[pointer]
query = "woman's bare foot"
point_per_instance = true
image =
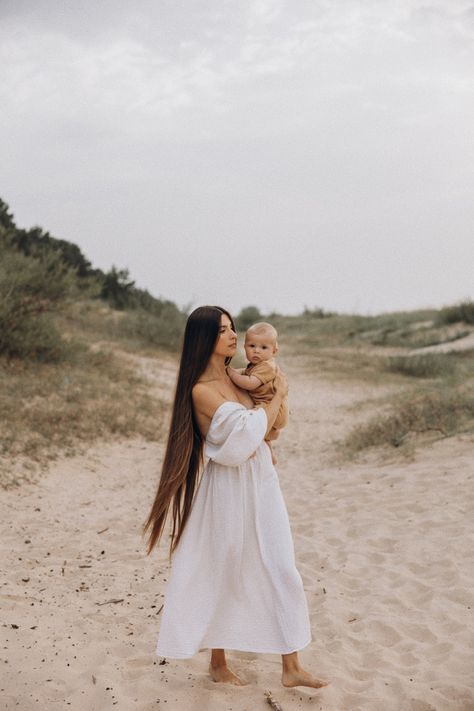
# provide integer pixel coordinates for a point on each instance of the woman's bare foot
(300, 677)
(293, 674)
(224, 674)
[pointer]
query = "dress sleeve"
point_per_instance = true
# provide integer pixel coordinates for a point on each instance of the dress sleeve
(234, 434)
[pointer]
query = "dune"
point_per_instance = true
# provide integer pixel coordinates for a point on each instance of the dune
(385, 549)
(466, 343)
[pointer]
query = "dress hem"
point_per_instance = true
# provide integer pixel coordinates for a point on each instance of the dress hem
(231, 648)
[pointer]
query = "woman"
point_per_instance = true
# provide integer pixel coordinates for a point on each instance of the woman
(233, 582)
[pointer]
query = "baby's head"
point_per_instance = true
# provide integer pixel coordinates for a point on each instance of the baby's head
(260, 342)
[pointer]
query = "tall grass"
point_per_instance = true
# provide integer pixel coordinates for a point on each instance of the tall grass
(162, 331)
(441, 413)
(427, 365)
(47, 409)
(131, 330)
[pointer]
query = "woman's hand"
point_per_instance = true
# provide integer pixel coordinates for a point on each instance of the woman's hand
(280, 384)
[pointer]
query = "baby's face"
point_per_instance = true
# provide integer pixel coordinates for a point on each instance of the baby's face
(259, 347)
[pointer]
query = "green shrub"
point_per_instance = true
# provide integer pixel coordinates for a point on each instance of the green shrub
(37, 243)
(30, 289)
(317, 313)
(117, 288)
(463, 311)
(248, 316)
(36, 338)
(427, 365)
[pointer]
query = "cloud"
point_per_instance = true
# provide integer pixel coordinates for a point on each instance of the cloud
(265, 11)
(340, 126)
(123, 72)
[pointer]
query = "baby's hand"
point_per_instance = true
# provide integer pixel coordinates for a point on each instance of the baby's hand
(245, 382)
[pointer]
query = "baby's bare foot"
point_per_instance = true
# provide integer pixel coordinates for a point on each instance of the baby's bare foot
(300, 677)
(224, 674)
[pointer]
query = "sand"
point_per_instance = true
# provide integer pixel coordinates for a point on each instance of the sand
(385, 549)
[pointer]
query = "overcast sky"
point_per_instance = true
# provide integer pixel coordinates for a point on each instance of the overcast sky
(283, 154)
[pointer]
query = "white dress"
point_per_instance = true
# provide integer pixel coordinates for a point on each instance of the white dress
(233, 581)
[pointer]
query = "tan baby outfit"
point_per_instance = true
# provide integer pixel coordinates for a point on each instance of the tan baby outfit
(266, 372)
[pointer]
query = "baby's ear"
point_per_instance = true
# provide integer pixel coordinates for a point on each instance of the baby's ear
(275, 348)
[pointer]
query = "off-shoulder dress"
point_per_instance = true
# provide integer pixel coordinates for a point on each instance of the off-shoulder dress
(233, 582)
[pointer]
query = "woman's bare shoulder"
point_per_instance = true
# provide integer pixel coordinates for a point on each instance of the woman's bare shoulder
(206, 398)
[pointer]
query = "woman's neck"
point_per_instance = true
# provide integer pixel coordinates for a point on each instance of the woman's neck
(215, 369)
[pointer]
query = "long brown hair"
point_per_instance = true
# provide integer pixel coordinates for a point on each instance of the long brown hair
(183, 455)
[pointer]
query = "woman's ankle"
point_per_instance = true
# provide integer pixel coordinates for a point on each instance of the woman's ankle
(290, 662)
(218, 660)
(218, 665)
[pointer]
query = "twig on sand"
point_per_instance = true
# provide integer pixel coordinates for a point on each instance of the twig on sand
(272, 701)
(108, 602)
(103, 530)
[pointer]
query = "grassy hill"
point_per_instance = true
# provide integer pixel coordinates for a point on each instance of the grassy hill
(65, 329)
(68, 332)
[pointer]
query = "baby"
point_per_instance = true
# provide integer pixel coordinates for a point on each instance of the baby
(260, 348)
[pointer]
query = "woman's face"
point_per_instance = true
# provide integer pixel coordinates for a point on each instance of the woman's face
(227, 341)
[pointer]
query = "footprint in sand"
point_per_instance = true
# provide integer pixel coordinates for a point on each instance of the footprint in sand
(420, 633)
(459, 664)
(408, 660)
(336, 542)
(418, 569)
(357, 532)
(134, 668)
(461, 596)
(384, 634)
(355, 702)
(362, 674)
(371, 660)
(438, 651)
(396, 580)
(456, 693)
(421, 602)
(417, 705)
(388, 545)
(377, 558)
(395, 603)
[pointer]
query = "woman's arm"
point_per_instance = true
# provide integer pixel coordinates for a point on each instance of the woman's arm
(246, 382)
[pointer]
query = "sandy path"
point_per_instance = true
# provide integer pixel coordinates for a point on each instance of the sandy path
(386, 554)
